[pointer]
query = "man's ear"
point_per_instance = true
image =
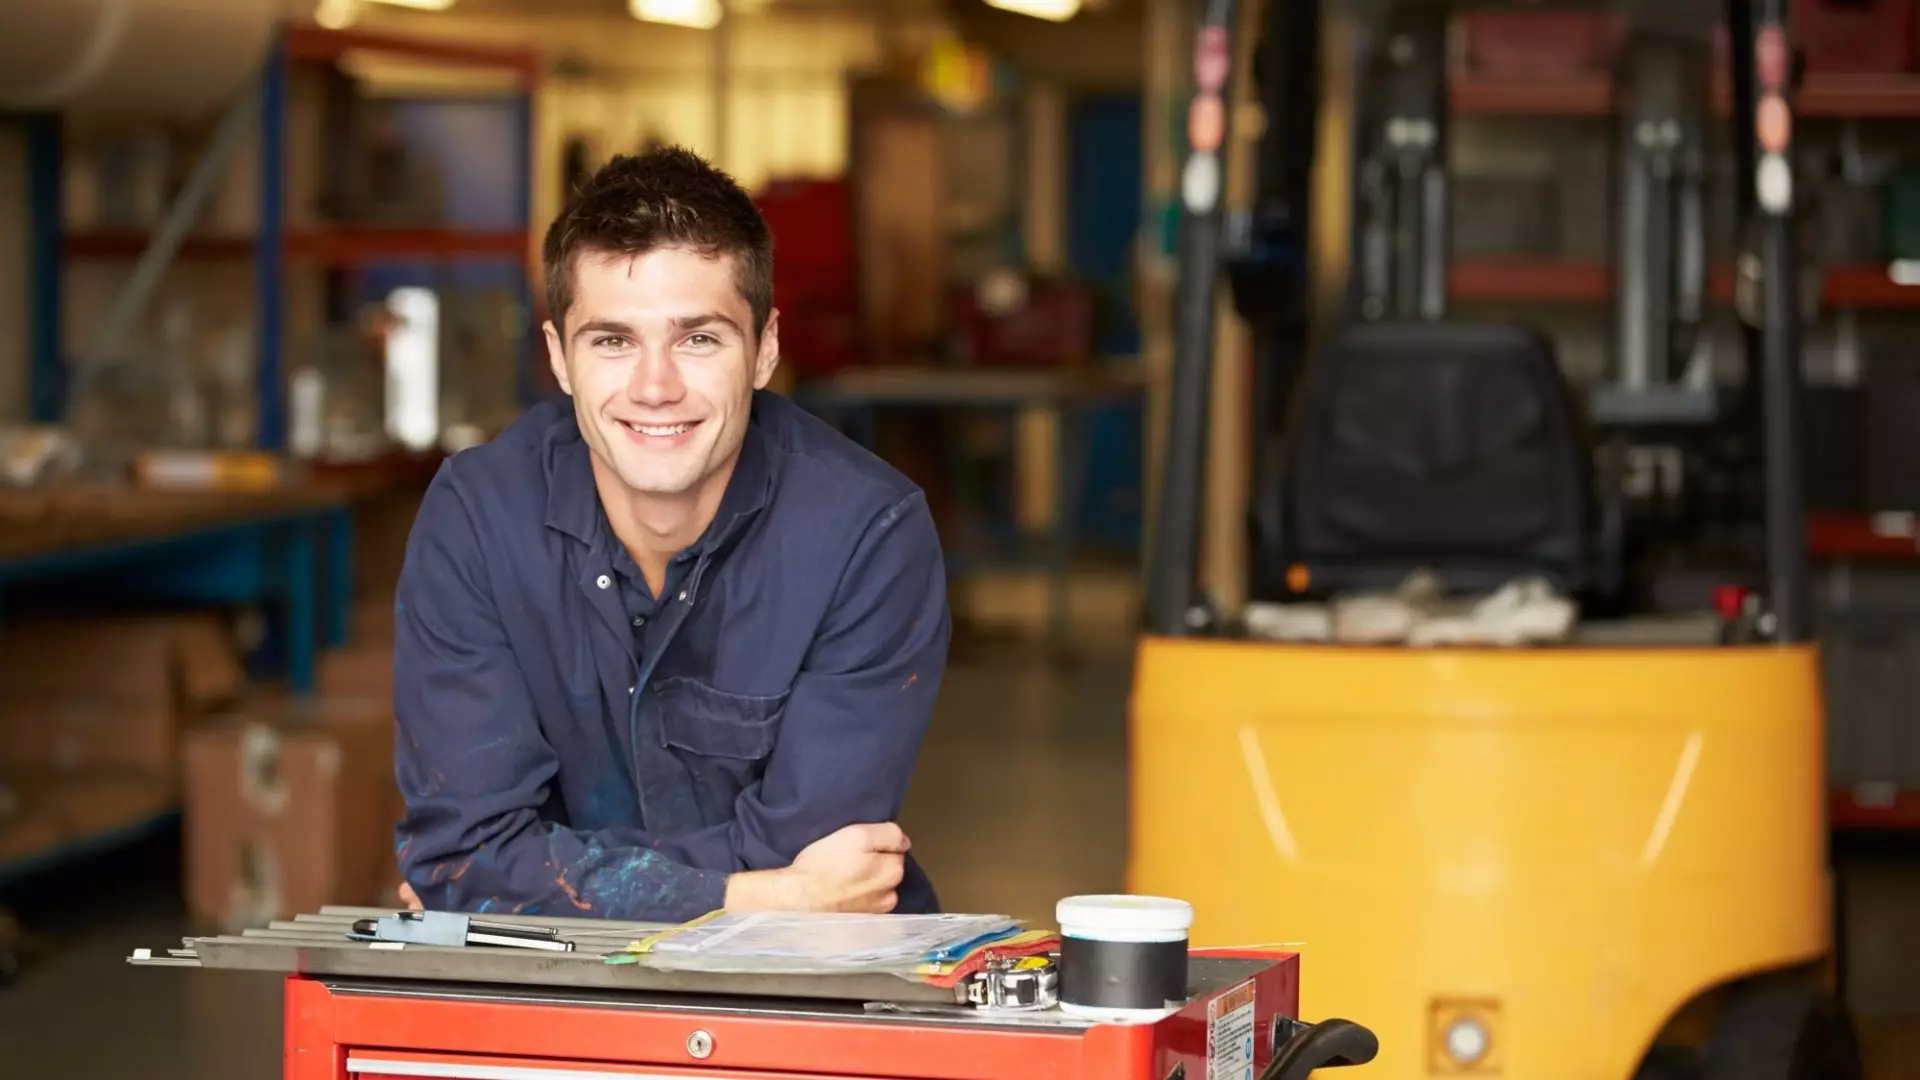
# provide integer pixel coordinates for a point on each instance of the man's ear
(557, 357)
(768, 360)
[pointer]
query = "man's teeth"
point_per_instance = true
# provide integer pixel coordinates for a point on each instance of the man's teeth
(661, 430)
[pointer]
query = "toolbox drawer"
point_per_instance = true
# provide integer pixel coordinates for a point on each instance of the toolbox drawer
(400, 1065)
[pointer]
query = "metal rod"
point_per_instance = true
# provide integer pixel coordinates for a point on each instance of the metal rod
(1746, 159)
(1768, 110)
(269, 258)
(132, 299)
(1171, 585)
(46, 219)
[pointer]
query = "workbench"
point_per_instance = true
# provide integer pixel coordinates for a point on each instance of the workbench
(853, 399)
(293, 546)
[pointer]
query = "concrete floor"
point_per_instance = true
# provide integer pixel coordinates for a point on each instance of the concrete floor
(1007, 724)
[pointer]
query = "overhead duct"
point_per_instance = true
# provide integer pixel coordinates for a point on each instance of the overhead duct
(133, 59)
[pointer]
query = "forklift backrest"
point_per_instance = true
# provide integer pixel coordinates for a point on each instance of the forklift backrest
(1449, 447)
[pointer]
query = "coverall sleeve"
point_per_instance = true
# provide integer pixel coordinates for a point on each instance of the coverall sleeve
(475, 769)
(859, 709)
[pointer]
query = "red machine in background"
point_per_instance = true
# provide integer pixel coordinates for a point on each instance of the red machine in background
(814, 282)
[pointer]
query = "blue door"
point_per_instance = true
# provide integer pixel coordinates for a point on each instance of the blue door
(1103, 213)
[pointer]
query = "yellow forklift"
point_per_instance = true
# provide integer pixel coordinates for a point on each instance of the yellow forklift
(1603, 858)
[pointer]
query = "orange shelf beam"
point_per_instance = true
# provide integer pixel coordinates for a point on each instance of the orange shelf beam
(350, 246)
(1572, 281)
(1522, 96)
(129, 243)
(1896, 811)
(313, 43)
(1832, 96)
(327, 246)
(1862, 536)
(1529, 280)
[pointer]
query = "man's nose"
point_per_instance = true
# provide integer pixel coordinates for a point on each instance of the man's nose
(655, 379)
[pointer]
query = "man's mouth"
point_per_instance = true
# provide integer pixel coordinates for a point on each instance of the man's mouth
(660, 431)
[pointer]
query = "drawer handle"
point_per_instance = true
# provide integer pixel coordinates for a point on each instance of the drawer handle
(454, 1071)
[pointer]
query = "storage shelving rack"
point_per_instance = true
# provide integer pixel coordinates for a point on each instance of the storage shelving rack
(1824, 96)
(276, 244)
(260, 556)
(1860, 287)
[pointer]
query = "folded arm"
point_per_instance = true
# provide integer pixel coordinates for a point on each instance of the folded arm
(859, 709)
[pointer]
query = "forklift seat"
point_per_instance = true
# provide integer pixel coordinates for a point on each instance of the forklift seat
(1448, 447)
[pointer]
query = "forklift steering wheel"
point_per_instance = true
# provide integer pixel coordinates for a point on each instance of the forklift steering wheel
(1323, 1045)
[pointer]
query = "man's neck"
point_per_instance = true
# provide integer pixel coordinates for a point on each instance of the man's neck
(655, 528)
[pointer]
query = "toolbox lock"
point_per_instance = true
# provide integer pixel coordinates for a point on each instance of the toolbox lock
(700, 1044)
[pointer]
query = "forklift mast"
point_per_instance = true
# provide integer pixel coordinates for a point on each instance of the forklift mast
(1402, 201)
(1662, 88)
(1270, 278)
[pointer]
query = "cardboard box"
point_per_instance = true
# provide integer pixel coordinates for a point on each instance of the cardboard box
(44, 812)
(91, 695)
(289, 807)
(26, 831)
(372, 621)
(360, 670)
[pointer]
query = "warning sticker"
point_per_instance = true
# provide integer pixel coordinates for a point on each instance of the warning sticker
(1230, 1027)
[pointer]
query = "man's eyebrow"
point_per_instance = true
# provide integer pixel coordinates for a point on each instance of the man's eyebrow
(604, 326)
(685, 323)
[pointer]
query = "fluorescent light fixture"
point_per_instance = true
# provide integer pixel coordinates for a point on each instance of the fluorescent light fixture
(418, 5)
(694, 14)
(1050, 10)
(336, 14)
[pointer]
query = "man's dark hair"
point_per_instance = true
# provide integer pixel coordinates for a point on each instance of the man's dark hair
(665, 197)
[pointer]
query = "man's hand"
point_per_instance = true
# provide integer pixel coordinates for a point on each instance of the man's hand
(856, 869)
(408, 897)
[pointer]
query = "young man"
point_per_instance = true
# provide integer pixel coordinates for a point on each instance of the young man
(670, 644)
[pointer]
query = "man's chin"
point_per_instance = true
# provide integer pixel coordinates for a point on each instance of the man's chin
(658, 483)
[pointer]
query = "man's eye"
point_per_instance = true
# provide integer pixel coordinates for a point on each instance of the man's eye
(704, 341)
(610, 341)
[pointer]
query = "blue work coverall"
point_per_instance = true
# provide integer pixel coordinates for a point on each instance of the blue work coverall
(568, 744)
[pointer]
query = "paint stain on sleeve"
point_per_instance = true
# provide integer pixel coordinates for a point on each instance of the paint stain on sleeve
(573, 895)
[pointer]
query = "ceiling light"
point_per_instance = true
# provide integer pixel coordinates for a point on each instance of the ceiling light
(695, 14)
(419, 5)
(336, 14)
(1050, 10)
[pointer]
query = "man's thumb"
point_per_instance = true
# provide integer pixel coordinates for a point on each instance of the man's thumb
(889, 838)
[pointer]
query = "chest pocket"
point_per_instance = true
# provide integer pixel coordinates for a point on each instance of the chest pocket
(722, 739)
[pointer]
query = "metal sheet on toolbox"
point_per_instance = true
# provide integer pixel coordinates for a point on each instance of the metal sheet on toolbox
(525, 967)
(316, 945)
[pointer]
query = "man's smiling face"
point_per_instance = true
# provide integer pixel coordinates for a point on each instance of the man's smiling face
(660, 358)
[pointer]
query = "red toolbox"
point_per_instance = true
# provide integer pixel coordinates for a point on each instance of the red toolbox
(367, 1031)
(364, 1006)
